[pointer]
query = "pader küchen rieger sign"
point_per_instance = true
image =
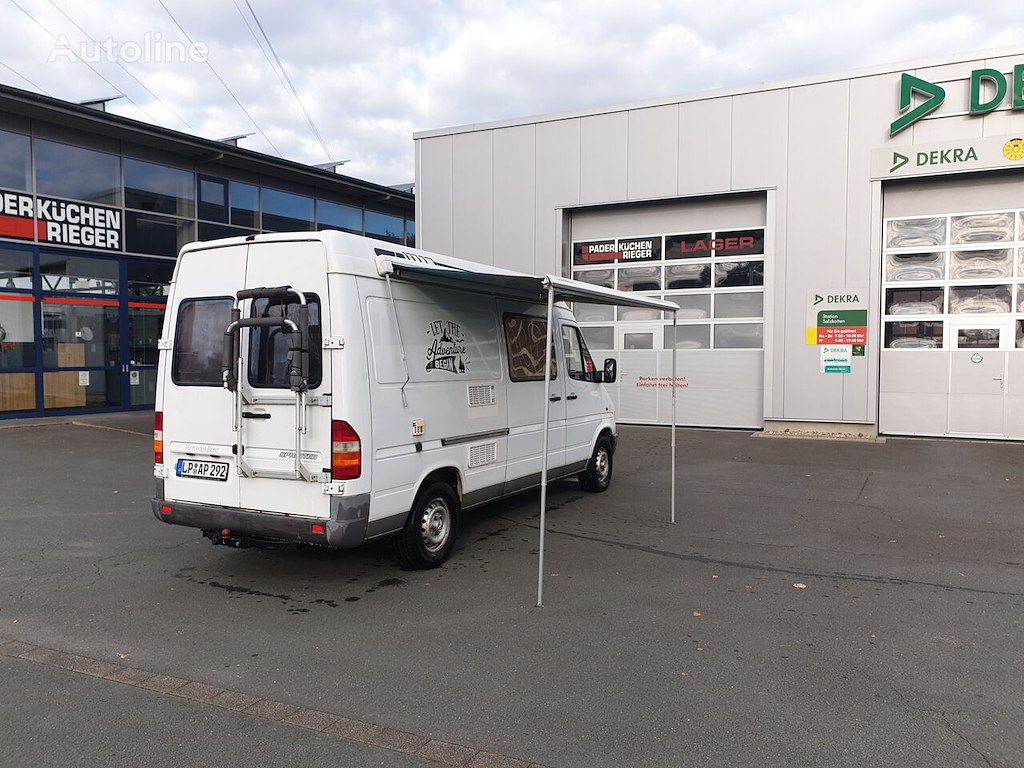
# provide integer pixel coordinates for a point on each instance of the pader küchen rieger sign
(60, 222)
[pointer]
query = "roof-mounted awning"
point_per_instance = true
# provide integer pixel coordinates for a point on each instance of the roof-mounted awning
(517, 286)
(504, 283)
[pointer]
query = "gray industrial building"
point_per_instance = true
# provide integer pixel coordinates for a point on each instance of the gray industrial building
(847, 251)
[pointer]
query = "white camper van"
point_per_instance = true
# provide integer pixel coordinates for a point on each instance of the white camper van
(330, 389)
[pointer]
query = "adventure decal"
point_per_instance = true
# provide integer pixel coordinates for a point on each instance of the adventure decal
(446, 350)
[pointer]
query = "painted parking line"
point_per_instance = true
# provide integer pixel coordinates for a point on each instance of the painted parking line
(430, 751)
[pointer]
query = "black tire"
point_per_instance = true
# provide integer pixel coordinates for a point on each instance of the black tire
(598, 475)
(429, 534)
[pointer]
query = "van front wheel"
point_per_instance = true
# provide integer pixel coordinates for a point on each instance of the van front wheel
(429, 534)
(598, 474)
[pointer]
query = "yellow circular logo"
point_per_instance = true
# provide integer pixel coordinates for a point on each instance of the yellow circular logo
(1014, 149)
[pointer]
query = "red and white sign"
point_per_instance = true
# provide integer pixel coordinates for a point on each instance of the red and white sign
(850, 334)
(61, 222)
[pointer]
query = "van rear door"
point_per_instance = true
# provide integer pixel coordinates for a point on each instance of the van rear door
(276, 421)
(199, 442)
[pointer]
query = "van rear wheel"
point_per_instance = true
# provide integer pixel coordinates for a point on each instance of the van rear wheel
(429, 534)
(598, 474)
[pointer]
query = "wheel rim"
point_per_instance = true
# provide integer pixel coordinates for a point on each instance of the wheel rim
(435, 525)
(602, 466)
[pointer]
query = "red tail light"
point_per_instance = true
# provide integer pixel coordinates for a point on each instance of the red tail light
(346, 452)
(158, 437)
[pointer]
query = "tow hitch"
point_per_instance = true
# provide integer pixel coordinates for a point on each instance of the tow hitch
(228, 538)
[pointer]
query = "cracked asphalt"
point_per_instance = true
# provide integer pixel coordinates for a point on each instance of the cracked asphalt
(817, 603)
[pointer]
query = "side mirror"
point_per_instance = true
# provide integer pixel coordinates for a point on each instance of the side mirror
(610, 372)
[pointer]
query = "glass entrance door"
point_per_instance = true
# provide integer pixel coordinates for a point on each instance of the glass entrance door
(144, 323)
(146, 284)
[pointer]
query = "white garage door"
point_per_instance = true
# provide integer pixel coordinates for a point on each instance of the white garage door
(710, 257)
(953, 312)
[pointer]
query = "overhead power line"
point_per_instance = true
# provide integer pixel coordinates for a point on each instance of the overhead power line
(221, 80)
(37, 87)
(281, 71)
(125, 69)
(79, 58)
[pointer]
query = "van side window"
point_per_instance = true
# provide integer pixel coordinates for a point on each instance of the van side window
(578, 363)
(198, 354)
(268, 347)
(524, 340)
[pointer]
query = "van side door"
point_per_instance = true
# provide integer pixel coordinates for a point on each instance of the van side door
(585, 404)
(525, 336)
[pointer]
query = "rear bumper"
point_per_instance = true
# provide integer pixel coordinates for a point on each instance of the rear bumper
(345, 528)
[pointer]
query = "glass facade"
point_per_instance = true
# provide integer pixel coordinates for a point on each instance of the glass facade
(15, 161)
(286, 211)
(384, 226)
(158, 188)
(213, 199)
(77, 173)
(156, 235)
(338, 216)
(245, 204)
(87, 247)
(84, 197)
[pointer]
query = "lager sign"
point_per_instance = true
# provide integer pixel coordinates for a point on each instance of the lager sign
(60, 222)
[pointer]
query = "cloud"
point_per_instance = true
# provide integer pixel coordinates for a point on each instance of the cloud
(369, 75)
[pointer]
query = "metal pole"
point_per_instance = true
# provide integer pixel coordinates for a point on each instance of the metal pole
(673, 468)
(544, 458)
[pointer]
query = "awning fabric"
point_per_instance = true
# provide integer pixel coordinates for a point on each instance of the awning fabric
(506, 284)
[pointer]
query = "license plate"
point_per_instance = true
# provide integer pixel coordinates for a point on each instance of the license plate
(204, 470)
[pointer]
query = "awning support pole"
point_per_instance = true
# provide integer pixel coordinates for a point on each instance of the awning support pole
(544, 455)
(672, 469)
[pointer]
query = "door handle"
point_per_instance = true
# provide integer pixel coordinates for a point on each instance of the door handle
(554, 398)
(572, 397)
(251, 415)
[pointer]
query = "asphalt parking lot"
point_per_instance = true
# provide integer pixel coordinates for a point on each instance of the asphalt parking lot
(817, 603)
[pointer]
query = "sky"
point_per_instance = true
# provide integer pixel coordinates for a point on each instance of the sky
(319, 81)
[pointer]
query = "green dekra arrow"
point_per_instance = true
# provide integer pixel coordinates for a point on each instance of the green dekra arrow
(908, 85)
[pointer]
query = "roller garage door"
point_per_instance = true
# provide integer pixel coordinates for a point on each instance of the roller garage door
(709, 256)
(952, 358)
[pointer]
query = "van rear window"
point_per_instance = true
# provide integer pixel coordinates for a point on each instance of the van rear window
(198, 354)
(268, 347)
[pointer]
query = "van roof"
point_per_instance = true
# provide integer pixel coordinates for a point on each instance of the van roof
(352, 254)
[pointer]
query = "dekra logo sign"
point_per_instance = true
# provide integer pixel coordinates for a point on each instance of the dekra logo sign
(837, 298)
(988, 90)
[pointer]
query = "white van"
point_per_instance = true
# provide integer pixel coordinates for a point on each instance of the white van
(330, 389)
